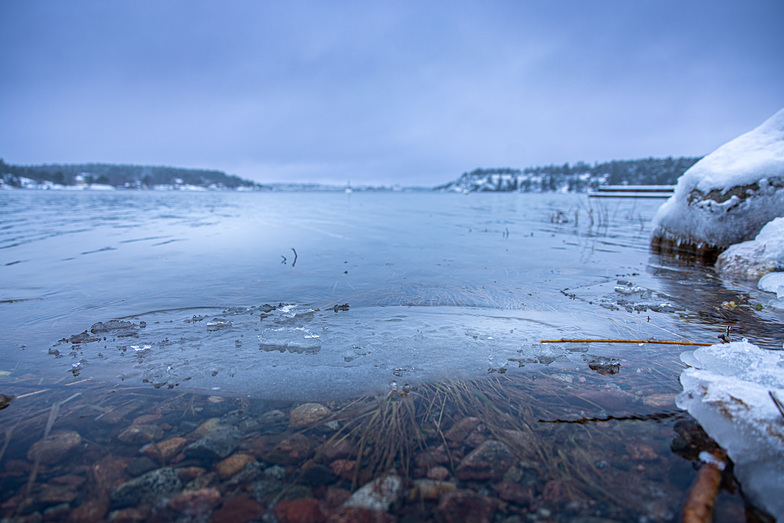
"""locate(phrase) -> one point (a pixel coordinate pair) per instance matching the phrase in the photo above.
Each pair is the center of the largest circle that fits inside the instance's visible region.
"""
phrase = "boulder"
(727, 197)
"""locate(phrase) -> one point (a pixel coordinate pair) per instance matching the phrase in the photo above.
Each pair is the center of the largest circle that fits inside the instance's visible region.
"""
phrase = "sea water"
(294, 297)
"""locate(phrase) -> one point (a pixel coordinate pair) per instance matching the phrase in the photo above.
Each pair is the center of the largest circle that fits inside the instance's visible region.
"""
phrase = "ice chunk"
(756, 257)
(773, 282)
(729, 388)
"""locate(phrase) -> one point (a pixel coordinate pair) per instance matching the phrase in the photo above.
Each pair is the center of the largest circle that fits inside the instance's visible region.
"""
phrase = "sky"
(382, 92)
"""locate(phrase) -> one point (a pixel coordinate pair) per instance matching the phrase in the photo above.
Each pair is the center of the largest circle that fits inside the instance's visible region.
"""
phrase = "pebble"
(488, 461)
(431, 489)
(164, 451)
(55, 447)
(239, 509)
(228, 467)
(459, 506)
(359, 515)
(196, 502)
(294, 449)
(146, 489)
(218, 444)
(308, 414)
(460, 430)
(140, 434)
(438, 472)
(305, 510)
(378, 494)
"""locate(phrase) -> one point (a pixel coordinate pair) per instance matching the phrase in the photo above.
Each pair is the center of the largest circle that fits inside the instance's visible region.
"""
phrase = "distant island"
(579, 177)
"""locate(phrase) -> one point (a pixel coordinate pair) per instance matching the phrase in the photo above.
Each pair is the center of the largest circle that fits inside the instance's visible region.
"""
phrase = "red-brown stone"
(489, 461)
(304, 510)
(465, 506)
(460, 430)
(196, 502)
(239, 509)
(359, 515)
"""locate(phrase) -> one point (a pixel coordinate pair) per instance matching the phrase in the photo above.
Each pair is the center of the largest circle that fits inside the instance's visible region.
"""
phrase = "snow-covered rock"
(729, 389)
(728, 196)
(756, 257)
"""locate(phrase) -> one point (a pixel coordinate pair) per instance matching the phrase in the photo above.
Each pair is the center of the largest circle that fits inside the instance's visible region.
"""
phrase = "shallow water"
(273, 298)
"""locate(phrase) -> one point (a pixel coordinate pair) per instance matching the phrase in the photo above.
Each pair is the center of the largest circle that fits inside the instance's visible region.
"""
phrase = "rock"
(140, 434)
(460, 430)
(239, 509)
(205, 428)
(378, 494)
(336, 496)
(308, 414)
(228, 467)
(438, 472)
(514, 492)
(431, 489)
(728, 196)
(129, 515)
(343, 468)
(294, 449)
(146, 489)
(659, 400)
(315, 474)
(141, 466)
(218, 444)
(606, 399)
(196, 502)
(164, 451)
(359, 515)
(55, 447)
(464, 506)
(489, 461)
(91, 511)
(641, 452)
(432, 456)
(332, 450)
(190, 473)
(306, 510)
(55, 494)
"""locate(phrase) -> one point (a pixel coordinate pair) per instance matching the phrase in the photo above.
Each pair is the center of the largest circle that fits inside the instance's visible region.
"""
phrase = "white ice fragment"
(727, 389)
(763, 254)
(772, 282)
(707, 457)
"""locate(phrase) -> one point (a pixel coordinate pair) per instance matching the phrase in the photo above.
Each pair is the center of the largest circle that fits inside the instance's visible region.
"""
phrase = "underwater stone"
(146, 489)
(488, 461)
(216, 445)
(55, 447)
(308, 414)
(379, 494)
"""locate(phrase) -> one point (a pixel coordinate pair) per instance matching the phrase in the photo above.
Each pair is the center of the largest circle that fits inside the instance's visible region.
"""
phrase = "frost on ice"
(728, 196)
(729, 389)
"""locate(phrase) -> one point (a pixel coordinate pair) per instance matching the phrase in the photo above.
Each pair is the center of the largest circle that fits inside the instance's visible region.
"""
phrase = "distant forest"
(574, 178)
(130, 176)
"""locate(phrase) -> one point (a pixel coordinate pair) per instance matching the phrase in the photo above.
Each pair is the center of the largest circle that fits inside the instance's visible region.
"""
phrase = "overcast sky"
(408, 92)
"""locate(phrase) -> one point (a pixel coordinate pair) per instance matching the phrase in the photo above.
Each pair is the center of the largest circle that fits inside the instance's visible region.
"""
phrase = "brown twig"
(661, 342)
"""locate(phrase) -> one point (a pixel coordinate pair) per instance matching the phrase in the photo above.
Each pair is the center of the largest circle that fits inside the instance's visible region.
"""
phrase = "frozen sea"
(241, 293)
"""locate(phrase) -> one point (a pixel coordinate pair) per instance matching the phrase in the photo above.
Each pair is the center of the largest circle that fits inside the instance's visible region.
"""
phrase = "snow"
(727, 388)
(773, 282)
(756, 257)
(729, 195)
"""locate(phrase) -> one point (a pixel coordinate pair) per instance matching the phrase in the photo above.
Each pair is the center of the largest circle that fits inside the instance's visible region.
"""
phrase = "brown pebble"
(641, 452)
(343, 468)
(163, 451)
(140, 434)
(228, 467)
(239, 509)
(304, 510)
(196, 502)
(307, 414)
(190, 473)
(438, 472)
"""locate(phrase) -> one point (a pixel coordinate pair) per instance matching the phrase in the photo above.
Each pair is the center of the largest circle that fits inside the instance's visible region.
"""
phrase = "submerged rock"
(55, 447)
(308, 414)
(216, 445)
(465, 505)
(379, 494)
(726, 197)
(488, 461)
(147, 489)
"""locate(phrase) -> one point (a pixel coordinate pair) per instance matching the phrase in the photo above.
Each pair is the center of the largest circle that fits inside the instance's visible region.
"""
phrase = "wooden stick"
(661, 342)
(701, 502)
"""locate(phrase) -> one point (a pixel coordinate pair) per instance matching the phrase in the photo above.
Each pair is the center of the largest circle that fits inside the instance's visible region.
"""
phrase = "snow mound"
(729, 389)
(756, 257)
(729, 195)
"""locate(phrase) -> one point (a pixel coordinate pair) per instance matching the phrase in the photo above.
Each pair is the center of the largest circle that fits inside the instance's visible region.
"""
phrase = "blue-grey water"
(236, 292)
